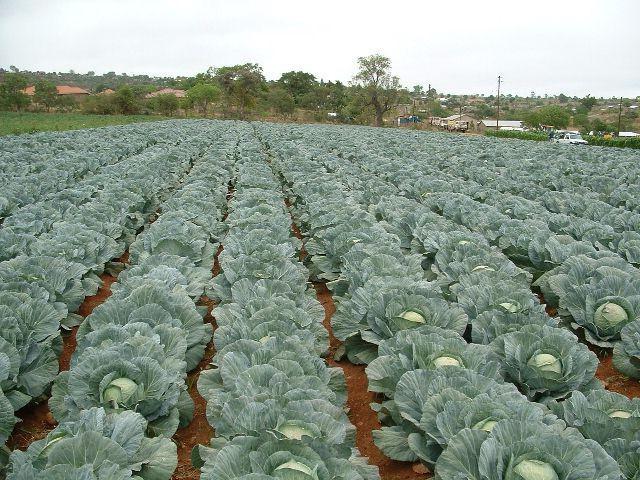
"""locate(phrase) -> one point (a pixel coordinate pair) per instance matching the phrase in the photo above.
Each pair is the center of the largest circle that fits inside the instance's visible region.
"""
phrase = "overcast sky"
(459, 46)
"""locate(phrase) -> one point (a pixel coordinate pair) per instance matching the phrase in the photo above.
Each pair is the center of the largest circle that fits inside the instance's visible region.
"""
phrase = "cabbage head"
(96, 446)
(524, 450)
(546, 362)
(626, 352)
(265, 458)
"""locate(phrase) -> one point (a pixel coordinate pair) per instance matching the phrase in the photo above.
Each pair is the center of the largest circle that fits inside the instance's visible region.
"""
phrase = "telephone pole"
(498, 114)
(619, 115)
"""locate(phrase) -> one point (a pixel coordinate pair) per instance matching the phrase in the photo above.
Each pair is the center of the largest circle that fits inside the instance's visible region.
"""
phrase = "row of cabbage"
(44, 283)
(595, 291)
(35, 167)
(90, 200)
(124, 395)
(584, 268)
(452, 404)
(276, 407)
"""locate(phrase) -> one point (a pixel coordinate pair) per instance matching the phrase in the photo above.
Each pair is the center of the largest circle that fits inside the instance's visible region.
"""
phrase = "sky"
(575, 47)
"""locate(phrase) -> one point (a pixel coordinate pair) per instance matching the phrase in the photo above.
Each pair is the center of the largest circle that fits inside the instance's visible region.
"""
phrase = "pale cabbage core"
(546, 362)
(119, 390)
(620, 414)
(444, 361)
(535, 470)
(486, 425)
(412, 316)
(297, 466)
(609, 315)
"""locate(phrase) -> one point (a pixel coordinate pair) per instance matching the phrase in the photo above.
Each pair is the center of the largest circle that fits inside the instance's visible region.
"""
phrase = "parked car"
(569, 138)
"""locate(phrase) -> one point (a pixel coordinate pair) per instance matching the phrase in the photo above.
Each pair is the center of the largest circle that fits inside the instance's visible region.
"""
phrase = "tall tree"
(45, 94)
(281, 101)
(241, 85)
(11, 91)
(380, 88)
(298, 83)
(203, 94)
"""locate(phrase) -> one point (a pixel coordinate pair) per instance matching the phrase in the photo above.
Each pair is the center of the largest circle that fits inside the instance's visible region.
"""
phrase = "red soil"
(359, 398)
(36, 419)
(614, 380)
(198, 431)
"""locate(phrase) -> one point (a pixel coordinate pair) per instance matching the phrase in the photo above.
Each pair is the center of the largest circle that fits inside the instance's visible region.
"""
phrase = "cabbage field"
(232, 300)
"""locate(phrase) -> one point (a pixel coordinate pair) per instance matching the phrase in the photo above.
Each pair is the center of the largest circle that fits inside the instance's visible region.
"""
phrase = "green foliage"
(99, 105)
(538, 136)
(11, 95)
(632, 142)
(203, 94)
(552, 115)
(12, 123)
(379, 89)
(125, 101)
(298, 84)
(46, 94)
(282, 102)
(241, 86)
(588, 102)
(166, 103)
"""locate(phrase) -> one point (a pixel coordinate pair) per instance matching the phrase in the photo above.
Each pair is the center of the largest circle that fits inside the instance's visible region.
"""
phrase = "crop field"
(233, 300)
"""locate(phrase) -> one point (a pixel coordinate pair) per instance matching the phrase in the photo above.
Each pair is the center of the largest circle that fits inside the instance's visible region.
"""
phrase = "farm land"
(316, 301)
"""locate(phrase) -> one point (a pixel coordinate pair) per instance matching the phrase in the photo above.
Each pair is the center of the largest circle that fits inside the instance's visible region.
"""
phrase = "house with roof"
(488, 123)
(76, 93)
(167, 91)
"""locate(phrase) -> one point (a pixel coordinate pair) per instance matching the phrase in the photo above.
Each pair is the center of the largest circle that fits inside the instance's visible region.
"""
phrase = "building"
(107, 91)
(458, 122)
(63, 90)
(488, 123)
(167, 91)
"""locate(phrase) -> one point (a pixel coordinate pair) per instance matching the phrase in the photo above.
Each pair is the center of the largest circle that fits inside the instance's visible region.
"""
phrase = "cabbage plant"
(489, 325)
(96, 446)
(626, 352)
(30, 344)
(265, 457)
(601, 415)
(155, 305)
(524, 450)
(131, 374)
(546, 362)
(427, 347)
(600, 295)
(383, 307)
(414, 416)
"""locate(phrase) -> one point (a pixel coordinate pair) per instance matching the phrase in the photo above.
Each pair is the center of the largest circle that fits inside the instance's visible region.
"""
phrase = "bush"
(631, 142)
(537, 136)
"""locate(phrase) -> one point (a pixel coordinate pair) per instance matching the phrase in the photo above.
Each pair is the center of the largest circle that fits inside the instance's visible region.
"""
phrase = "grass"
(28, 122)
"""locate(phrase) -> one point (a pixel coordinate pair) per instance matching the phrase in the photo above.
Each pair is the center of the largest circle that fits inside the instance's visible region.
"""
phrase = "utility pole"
(498, 114)
(619, 115)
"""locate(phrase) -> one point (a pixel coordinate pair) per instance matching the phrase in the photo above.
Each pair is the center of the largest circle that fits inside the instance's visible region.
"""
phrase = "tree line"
(237, 91)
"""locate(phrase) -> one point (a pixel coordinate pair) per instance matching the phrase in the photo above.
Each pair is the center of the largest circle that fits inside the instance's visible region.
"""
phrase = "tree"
(45, 94)
(588, 102)
(380, 89)
(11, 91)
(241, 85)
(125, 100)
(166, 103)
(417, 90)
(282, 102)
(297, 84)
(553, 115)
(562, 98)
(202, 94)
